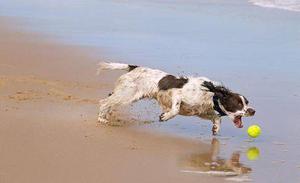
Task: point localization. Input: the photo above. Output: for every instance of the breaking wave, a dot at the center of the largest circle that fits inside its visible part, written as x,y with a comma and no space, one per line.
291,5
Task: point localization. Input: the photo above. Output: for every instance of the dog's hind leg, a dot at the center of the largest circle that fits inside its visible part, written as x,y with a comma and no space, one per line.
104,110
119,97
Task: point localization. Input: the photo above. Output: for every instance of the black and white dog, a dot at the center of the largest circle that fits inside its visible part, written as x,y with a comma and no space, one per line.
191,96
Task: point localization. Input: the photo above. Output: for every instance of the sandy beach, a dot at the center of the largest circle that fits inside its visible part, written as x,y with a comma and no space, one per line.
48,122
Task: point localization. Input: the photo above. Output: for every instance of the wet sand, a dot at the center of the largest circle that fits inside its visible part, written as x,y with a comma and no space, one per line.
48,130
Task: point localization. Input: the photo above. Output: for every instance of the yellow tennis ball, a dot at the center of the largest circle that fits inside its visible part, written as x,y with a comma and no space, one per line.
253,153
254,131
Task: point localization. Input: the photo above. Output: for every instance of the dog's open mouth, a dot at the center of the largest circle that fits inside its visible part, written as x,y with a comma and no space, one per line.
238,122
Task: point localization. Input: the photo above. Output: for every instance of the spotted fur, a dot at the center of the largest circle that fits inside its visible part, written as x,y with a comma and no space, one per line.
191,96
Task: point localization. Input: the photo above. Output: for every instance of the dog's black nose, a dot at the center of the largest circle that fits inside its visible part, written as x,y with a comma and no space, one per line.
251,111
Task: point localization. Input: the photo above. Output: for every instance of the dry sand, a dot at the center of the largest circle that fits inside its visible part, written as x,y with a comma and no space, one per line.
48,131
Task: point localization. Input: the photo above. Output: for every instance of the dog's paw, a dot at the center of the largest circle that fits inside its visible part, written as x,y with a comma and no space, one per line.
163,117
102,120
215,130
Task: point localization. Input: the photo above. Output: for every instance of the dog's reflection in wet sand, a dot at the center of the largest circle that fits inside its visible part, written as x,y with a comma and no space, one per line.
211,163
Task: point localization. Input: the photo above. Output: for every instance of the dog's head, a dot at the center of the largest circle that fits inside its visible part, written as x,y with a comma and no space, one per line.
234,105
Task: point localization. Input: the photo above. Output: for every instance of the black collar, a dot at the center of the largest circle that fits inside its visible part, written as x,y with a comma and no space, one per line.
217,107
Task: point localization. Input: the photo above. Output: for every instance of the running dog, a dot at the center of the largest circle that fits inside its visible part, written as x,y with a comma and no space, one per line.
188,96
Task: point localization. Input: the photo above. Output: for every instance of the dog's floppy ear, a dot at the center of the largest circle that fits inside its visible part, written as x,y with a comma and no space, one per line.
219,91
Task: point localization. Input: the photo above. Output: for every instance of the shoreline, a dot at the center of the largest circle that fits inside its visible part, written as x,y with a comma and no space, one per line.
48,113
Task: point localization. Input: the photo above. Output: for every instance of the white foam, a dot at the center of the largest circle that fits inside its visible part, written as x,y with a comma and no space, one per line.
244,178
291,5
213,173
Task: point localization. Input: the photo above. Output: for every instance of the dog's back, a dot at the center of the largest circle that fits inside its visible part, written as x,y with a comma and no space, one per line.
143,80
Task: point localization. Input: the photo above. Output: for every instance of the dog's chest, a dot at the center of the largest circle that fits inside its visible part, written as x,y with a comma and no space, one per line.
202,108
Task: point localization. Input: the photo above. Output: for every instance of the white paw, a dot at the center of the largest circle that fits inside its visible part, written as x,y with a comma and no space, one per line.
215,129
102,120
164,117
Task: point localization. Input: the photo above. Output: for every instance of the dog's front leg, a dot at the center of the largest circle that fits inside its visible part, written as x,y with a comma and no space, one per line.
176,102
216,126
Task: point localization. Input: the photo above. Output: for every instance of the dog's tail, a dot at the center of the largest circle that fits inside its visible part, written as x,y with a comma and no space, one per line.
115,66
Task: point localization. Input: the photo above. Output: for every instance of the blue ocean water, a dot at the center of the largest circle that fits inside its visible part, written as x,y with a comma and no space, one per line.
252,50
185,34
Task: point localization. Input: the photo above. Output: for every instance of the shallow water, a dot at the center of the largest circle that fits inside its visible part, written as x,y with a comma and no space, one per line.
250,49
